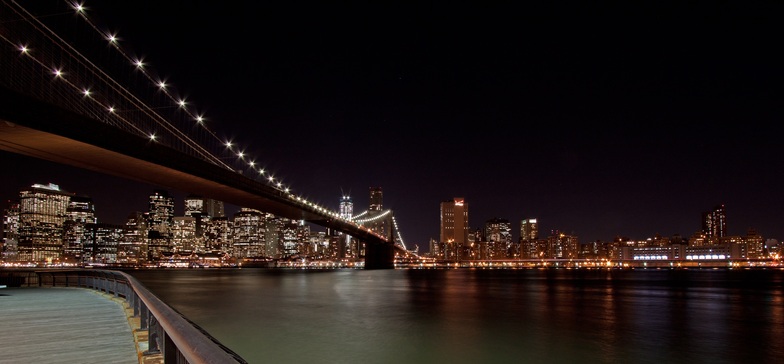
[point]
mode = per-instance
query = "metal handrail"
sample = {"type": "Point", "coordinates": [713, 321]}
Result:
{"type": "Point", "coordinates": [178, 339]}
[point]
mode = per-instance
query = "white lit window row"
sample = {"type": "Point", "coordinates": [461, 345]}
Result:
{"type": "Point", "coordinates": [651, 257]}
{"type": "Point", "coordinates": [706, 256]}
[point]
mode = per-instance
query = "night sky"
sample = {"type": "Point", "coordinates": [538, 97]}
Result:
{"type": "Point", "coordinates": [600, 119]}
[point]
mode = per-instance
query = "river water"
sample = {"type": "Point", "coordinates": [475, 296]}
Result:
{"type": "Point", "coordinates": [484, 316]}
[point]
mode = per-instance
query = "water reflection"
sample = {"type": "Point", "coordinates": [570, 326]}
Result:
{"type": "Point", "coordinates": [483, 316]}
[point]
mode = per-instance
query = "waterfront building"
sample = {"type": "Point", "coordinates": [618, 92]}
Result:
{"type": "Point", "coordinates": [42, 213]}
{"type": "Point", "coordinates": [755, 246]}
{"type": "Point", "coordinates": [454, 227]}
{"type": "Point", "coordinates": [161, 212]}
{"type": "Point", "coordinates": [562, 246]}
{"type": "Point", "coordinates": [80, 212]}
{"type": "Point", "coordinates": [714, 223]}
{"type": "Point", "coordinates": [184, 238]}
{"type": "Point", "coordinates": [248, 233]}
{"type": "Point", "coordinates": [529, 234]}
{"type": "Point", "coordinates": [217, 235]}
{"type": "Point", "coordinates": [102, 243]}
{"type": "Point", "coordinates": [10, 232]}
{"type": "Point", "coordinates": [498, 235]}
{"type": "Point", "coordinates": [132, 248]}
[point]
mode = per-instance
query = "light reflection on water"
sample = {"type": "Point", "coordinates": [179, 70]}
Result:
{"type": "Point", "coordinates": [484, 316]}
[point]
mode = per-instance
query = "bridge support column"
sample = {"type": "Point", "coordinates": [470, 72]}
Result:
{"type": "Point", "coordinates": [379, 256]}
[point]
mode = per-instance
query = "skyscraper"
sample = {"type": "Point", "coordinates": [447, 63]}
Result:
{"type": "Point", "coordinates": [80, 212]}
{"type": "Point", "coordinates": [529, 229]}
{"type": "Point", "coordinates": [376, 199]}
{"type": "Point", "coordinates": [714, 223]}
{"type": "Point", "coordinates": [161, 212]}
{"type": "Point", "coordinates": [42, 213]}
{"type": "Point", "coordinates": [454, 221]}
{"type": "Point", "coordinates": [498, 233]}
{"type": "Point", "coordinates": [346, 207]}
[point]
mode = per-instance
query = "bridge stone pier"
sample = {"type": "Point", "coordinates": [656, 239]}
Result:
{"type": "Point", "coordinates": [379, 256]}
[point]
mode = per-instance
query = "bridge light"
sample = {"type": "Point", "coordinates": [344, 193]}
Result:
{"type": "Point", "coordinates": [58, 73]}
{"type": "Point", "coordinates": [199, 118]}
{"type": "Point", "coordinates": [228, 144]}
{"type": "Point", "coordinates": [111, 109]}
{"type": "Point", "coordinates": [86, 92]}
{"type": "Point", "coordinates": [152, 137]}
{"type": "Point", "coordinates": [138, 63]}
{"type": "Point", "coordinates": [161, 84]}
{"type": "Point", "coordinates": [112, 38]}
{"type": "Point", "coordinates": [78, 7]}
{"type": "Point", "coordinates": [251, 163]}
{"type": "Point", "coordinates": [279, 184]}
{"type": "Point", "coordinates": [271, 179]}
{"type": "Point", "coordinates": [286, 190]}
{"type": "Point", "coordinates": [240, 155]}
{"type": "Point", "coordinates": [181, 102]}
{"type": "Point", "coordinates": [261, 171]}
{"type": "Point", "coordinates": [24, 49]}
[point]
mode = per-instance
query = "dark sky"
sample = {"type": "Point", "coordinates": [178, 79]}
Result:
{"type": "Point", "coordinates": [598, 118]}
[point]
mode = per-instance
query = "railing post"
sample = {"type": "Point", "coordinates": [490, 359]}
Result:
{"type": "Point", "coordinates": [153, 336]}
{"type": "Point", "coordinates": [169, 350]}
{"type": "Point", "coordinates": [145, 316]}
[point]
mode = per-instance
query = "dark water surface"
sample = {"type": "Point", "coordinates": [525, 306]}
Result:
{"type": "Point", "coordinates": [484, 316]}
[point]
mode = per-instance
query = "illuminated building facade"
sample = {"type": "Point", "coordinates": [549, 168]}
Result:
{"type": "Point", "coordinates": [498, 235]}
{"type": "Point", "coordinates": [10, 233]}
{"type": "Point", "coordinates": [80, 212]}
{"type": "Point", "coordinates": [529, 233]}
{"type": "Point", "coordinates": [132, 248]}
{"type": "Point", "coordinates": [714, 223]}
{"type": "Point", "coordinates": [161, 212]}
{"type": "Point", "coordinates": [42, 213]}
{"type": "Point", "coordinates": [248, 233]}
{"type": "Point", "coordinates": [454, 221]}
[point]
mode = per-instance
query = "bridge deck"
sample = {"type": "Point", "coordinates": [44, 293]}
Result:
{"type": "Point", "coordinates": [63, 325]}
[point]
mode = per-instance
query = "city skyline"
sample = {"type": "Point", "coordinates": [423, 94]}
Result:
{"type": "Point", "coordinates": [598, 121]}
{"type": "Point", "coordinates": [711, 224]}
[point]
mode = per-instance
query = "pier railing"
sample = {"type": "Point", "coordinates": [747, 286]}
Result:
{"type": "Point", "coordinates": [177, 339]}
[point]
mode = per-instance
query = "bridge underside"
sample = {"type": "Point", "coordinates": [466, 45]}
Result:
{"type": "Point", "coordinates": [39, 130]}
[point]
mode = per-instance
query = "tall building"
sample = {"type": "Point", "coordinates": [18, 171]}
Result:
{"type": "Point", "coordinates": [529, 229]}
{"type": "Point", "coordinates": [10, 232]}
{"type": "Point", "coordinates": [206, 206]}
{"type": "Point", "coordinates": [248, 233]}
{"type": "Point", "coordinates": [376, 199]}
{"type": "Point", "coordinates": [80, 212]}
{"type": "Point", "coordinates": [161, 212]}
{"type": "Point", "coordinates": [42, 213]}
{"type": "Point", "coordinates": [102, 244]}
{"type": "Point", "coordinates": [132, 248]}
{"type": "Point", "coordinates": [346, 207]}
{"type": "Point", "coordinates": [346, 212]}
{"type": "Point", "coordinates": [454, 222]}
{"type": "Point", "coordinates": [498, 233]}
{"type": "Point", "coordinates": [714, 222]}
